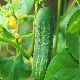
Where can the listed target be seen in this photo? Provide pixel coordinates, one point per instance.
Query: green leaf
(74, 27)
(60, 61)
(72, 40)
(77, 78)
(25, 6)
(13, 68)
(64, 20)
(29, 18)
(26, 37)
(27, 41)
(6, 33)
(68, 74)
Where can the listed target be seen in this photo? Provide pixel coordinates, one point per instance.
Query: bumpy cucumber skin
(43, 42)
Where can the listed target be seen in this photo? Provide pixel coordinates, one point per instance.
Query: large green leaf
(25, 6)
(60, 61)
(13, 68)
(72, 39)
(68, 74)
(64, 20)
(74, 26)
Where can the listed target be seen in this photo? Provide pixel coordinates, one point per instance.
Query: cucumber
(43, 42)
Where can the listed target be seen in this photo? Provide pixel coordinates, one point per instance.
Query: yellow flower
(20, 39)
(12, 22)
(15, 2)
(22, 15)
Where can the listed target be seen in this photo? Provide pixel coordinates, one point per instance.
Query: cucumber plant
(37, 51)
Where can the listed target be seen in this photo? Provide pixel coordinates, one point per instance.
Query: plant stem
(23, 52)
(27, 35)
(70, 8)
(17, 51)
(64, 6)
(10, 51)
(58, 22)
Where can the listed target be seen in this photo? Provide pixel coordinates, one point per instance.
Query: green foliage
(6, 34)
(72, 37)
(74, 22)
(61, 43)
(68, 74)
(43, 42)
(78, 1)
(60, 61)
(24, 52)
(27, 19)
(68, 58)
(28, 4)
(13, 68)
(41, 1)
(7, 0)
(64, 21)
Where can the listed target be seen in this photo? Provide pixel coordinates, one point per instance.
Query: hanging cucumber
(43, 42)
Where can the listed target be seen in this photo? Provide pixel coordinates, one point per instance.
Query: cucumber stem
(34, 24)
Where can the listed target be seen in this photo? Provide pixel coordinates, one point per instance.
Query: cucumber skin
(43, 42)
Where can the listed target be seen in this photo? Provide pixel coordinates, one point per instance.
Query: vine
(23, 52)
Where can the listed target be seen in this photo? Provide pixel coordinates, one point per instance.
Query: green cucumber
(43, 42)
